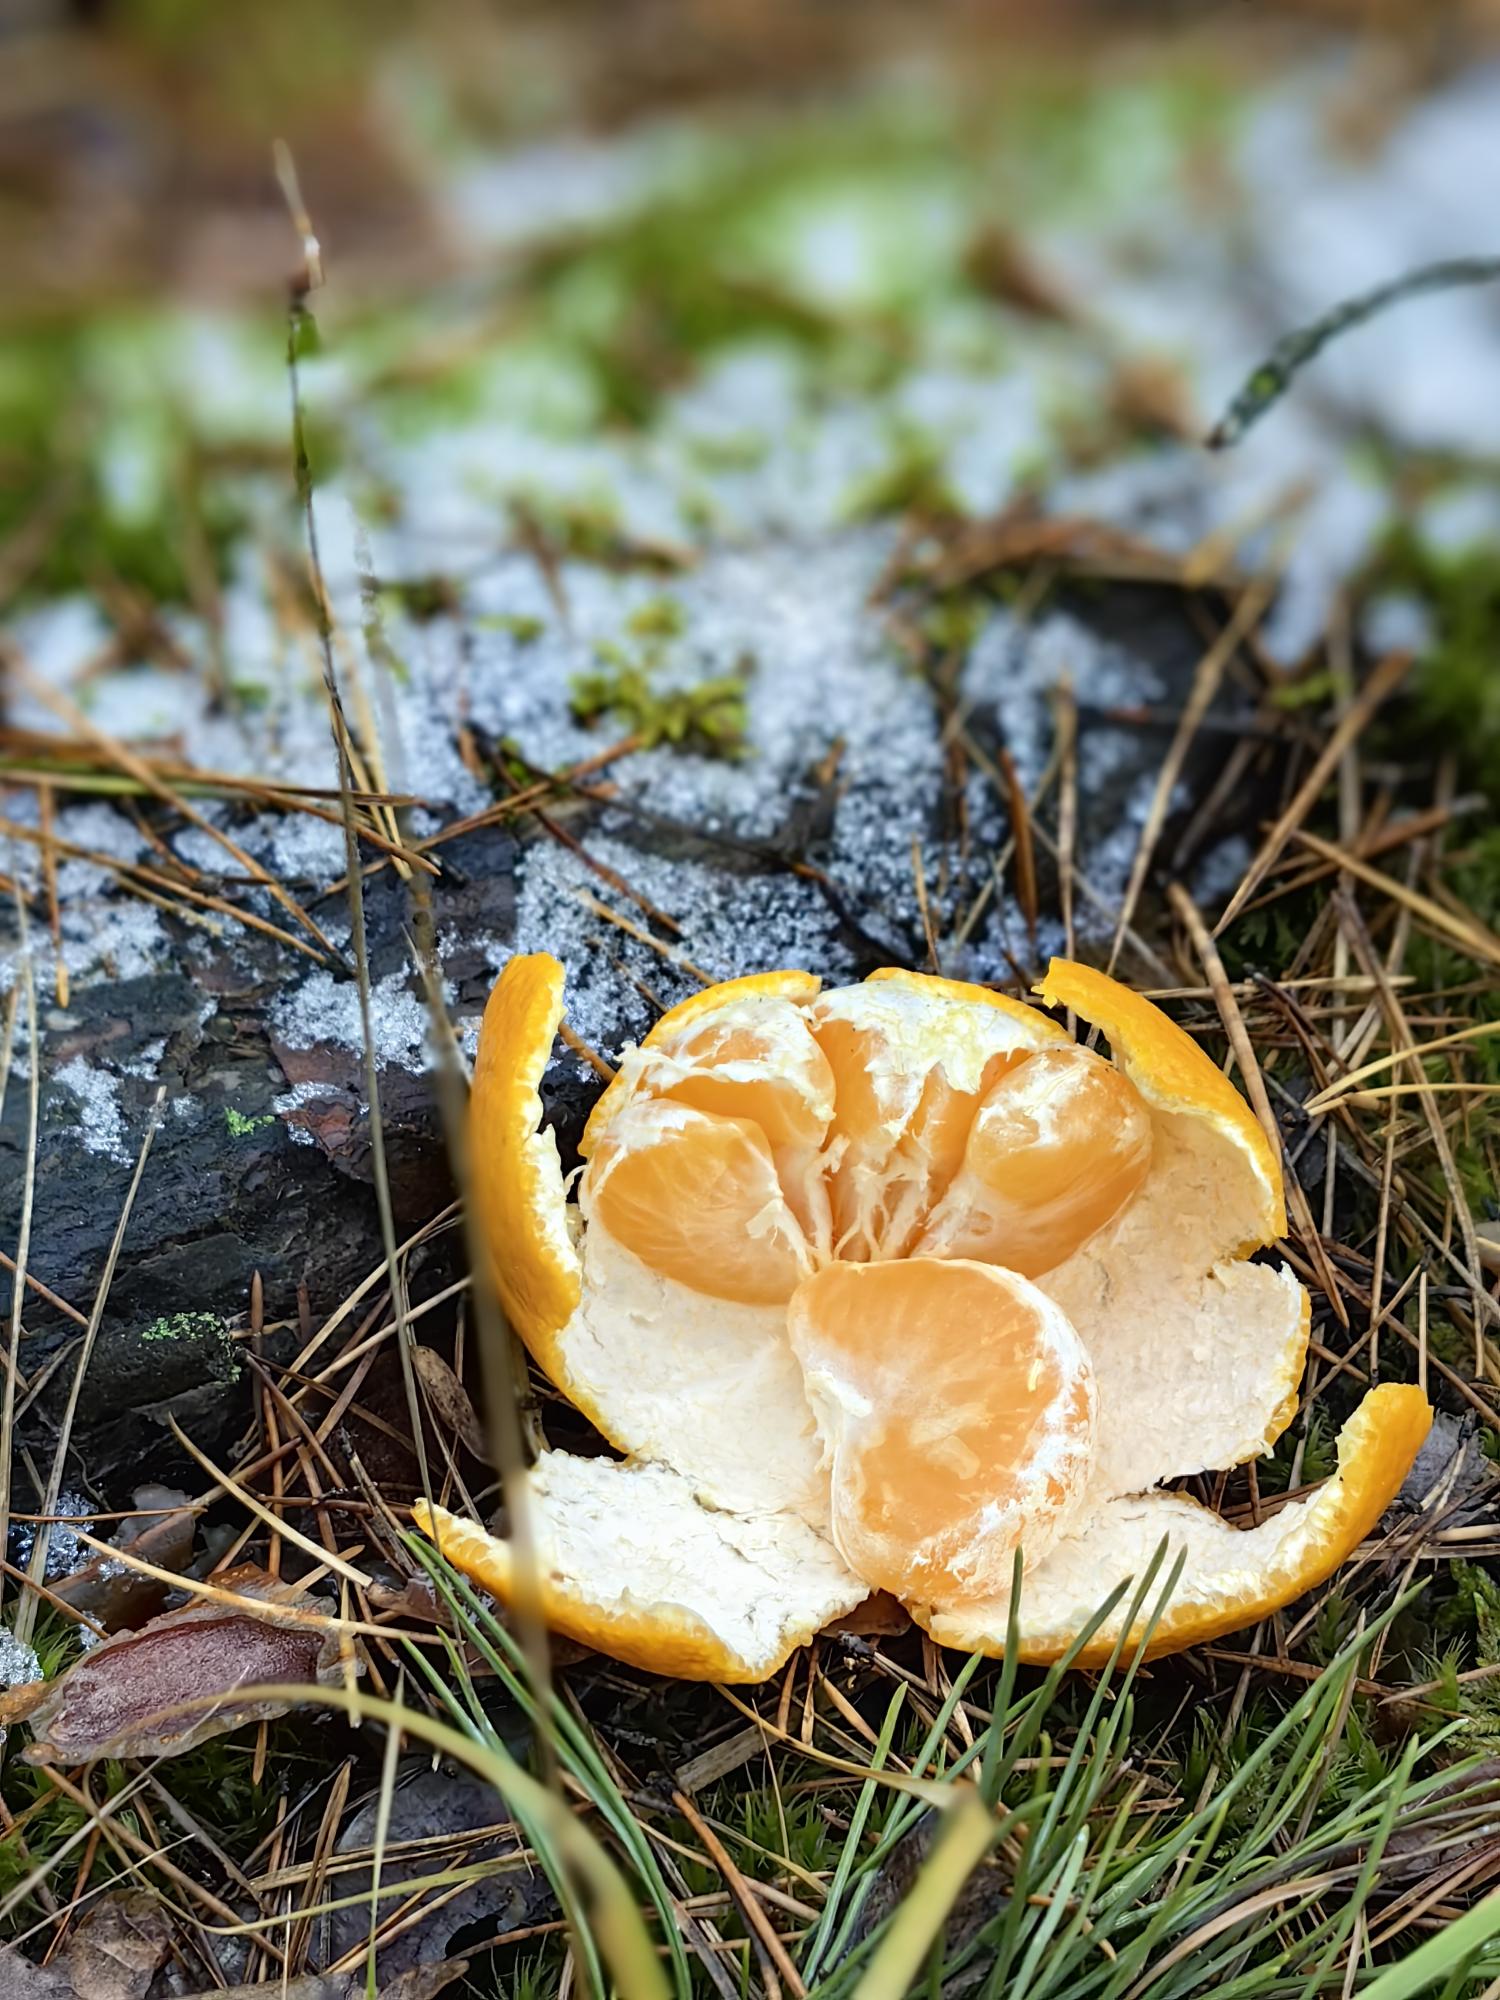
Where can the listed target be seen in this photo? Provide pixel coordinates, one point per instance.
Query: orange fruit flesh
(930, 1153)
(1056, 1150)
(959, 1407)
(883, 1182)
(785, 1106)
(782, 1106)
(855, 1136)
(1020, 1172)
(696, 1197)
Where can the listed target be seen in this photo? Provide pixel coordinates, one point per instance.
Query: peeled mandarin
(696, 1197)
(956, 1404)
(1057, 1148)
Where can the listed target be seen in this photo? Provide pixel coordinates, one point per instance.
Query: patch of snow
(65, 1552)
(198, 848)
(1014, 670)
(147, 1059)
(103, 828)
(1220, 872)
(293, 1100)
(733, 924)
(327, 1010)
(101, 1122)
(297, 847)
(102, 928)
(1397, 623)
(1467, 517)
(541, 190)
(19, 1665)
(57, 641)
(141, 702)
(1328, 224)
(991, 428)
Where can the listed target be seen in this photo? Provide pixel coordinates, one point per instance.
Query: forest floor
(750, 480)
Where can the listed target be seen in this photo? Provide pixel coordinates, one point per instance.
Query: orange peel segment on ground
(769, 1132)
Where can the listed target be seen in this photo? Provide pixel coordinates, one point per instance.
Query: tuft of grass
(518, 625)
(913, 480)
(43, 1825)
(709, 718)
(1047, 1852)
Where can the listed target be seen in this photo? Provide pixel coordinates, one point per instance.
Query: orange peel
(722, 1539)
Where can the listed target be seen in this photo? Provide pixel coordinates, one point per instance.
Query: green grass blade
(1450, 1952)
(502, 1653)
(858, 1819)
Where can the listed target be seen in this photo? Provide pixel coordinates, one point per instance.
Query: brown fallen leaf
(450, 1401)
(415, 1599)
(1450, 1478)
(433, 1810)
(117, 1700)
(118, 1947)
(115, 1953)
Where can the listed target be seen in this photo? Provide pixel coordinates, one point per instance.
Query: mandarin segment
(1176, 1075)
(758, 1060)
(930, 1153)
(957, 1407)
(696, 1198)
(858, 1138)
(1057, 1149)
(773, 1073)
(797, 989)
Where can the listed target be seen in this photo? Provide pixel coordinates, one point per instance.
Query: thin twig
(23, 1240)
(1207, 675)
(1292, 353)
(1386, 677)
(37, 1569)
(1255, 1087)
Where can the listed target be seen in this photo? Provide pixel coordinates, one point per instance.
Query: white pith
(617, 1540)
(684, 1378)
(1115, 1544)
